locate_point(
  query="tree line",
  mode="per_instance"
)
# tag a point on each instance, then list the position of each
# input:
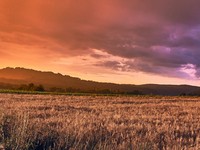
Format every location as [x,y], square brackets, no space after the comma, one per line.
[96,91]
[31,87]
[40,88]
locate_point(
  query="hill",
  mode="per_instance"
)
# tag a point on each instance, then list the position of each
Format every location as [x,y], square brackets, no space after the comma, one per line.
[16,78]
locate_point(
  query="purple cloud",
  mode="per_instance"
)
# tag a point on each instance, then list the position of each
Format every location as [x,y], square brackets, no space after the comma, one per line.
[155,36]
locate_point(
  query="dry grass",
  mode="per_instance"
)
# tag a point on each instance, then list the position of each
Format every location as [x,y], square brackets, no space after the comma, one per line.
[89,122]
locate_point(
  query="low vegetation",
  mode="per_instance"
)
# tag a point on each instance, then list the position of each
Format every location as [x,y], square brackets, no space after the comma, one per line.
[58,122]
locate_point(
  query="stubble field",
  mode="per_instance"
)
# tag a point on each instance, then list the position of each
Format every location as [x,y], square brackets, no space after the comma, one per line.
[98,122]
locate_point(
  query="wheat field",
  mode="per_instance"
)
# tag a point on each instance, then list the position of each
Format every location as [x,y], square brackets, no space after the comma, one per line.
[56,122]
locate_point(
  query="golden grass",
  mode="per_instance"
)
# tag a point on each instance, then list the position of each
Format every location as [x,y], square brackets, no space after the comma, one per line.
[99,122]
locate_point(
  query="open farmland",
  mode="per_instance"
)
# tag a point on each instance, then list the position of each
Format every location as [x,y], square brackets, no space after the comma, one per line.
[99,122]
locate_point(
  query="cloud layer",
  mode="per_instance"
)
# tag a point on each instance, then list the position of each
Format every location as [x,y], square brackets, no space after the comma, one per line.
[156,37]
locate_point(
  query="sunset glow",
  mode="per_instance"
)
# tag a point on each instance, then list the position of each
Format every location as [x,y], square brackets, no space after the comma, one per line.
[132,41]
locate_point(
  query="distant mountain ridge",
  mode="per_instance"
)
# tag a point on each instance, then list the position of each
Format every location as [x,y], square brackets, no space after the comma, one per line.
[13,78]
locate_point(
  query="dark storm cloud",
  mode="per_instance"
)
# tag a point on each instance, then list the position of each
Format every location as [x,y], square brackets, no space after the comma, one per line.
[160,35]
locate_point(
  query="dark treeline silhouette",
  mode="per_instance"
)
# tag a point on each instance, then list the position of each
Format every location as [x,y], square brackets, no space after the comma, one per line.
[40,88]
[31,87]
[195,93]
[97,91]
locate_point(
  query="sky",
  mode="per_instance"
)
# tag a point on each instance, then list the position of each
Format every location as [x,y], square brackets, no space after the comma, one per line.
[120,41]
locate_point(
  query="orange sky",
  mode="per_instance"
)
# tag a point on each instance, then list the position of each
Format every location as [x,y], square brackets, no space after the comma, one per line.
[109,40]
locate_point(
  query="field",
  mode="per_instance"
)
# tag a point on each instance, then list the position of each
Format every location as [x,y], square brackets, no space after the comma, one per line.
[98,122]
